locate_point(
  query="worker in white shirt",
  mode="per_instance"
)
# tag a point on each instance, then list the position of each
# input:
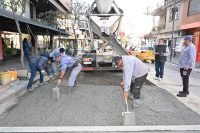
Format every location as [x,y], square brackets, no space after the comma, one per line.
[134,75]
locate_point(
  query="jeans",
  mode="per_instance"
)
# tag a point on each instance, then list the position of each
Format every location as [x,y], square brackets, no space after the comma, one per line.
[159,67]
[137,85]
[34,70]
[185,74]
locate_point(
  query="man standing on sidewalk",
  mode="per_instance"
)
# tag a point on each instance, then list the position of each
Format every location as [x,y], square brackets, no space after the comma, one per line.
[161,52]
[134,76]
[186,64]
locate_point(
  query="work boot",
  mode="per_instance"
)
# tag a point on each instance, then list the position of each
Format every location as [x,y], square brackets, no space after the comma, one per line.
[182,94]
[136,102]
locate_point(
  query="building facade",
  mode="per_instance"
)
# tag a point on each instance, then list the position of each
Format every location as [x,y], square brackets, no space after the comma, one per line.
[170,14]
[31,25]
[191,22]
[184,20]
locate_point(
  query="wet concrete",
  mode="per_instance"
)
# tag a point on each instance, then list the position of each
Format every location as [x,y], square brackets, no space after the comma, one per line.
[97,101]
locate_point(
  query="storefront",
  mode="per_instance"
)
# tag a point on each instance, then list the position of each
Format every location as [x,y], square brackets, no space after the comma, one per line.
[194,30]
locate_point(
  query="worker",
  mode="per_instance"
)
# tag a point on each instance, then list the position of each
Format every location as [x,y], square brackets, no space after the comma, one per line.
[68,62]
[134,75]
[26,49]
[38,64]
[53,64]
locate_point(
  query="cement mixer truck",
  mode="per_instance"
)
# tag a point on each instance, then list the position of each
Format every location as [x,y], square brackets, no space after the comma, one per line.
[104,18]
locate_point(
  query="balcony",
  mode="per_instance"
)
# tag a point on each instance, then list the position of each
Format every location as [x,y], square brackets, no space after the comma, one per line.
[7,19]
[158,29]
[162,7]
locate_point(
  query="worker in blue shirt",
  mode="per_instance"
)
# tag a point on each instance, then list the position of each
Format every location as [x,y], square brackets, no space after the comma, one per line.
[186,64]
[68,62]
[53,64]
[38,64]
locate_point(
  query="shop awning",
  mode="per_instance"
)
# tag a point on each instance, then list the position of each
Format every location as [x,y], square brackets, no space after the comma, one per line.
[190,26]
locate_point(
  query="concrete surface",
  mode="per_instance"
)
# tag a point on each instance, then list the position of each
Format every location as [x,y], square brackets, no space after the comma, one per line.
[88,105]
[97,101]
[172,83]
[11,96]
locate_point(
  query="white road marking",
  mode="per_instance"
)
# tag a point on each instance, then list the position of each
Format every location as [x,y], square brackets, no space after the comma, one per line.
[101,128]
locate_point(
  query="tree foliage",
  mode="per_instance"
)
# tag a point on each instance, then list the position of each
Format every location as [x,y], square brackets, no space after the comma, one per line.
[16,6]
[49,17]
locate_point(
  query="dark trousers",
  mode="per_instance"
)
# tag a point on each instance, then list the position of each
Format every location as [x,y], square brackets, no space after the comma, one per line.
[185,74]
[137,85]
[27,56]
[159,67]
[34,70]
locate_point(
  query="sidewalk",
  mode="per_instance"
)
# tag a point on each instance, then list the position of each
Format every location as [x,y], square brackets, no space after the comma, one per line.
[172,83]
[16,90]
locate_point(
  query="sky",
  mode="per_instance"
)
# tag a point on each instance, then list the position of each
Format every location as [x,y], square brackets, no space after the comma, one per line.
[135,21]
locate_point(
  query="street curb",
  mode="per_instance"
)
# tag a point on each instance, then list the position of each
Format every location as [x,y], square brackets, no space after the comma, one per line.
[196,69]
[52,129]
[13,95]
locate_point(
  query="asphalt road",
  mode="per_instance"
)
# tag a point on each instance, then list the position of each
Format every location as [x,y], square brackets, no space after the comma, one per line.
[97,101]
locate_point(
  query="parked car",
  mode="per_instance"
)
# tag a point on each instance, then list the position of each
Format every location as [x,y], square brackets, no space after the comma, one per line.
[144,53]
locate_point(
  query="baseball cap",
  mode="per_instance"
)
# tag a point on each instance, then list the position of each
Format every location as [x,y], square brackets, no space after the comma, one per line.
[62,50]
[116,59]
[50,59]
[189,37]
[57,54]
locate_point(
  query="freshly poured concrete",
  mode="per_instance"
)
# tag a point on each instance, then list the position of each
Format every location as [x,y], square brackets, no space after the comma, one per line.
[97,101]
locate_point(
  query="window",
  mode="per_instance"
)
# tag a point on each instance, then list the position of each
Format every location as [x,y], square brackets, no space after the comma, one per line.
[194,7]
[174,16]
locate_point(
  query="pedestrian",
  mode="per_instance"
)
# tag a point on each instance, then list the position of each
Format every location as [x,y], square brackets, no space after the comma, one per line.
[26,49]
[186,64]
[38,64]
[68,62]
[52,55]
[134,75]
[161,51]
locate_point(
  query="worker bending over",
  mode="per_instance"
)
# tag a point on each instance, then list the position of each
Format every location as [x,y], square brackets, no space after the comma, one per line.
[68,62]
[38,64]
[134,76]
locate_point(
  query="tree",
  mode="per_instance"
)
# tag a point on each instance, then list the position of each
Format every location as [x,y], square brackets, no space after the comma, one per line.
[18,8]
[49,17]
[79,12]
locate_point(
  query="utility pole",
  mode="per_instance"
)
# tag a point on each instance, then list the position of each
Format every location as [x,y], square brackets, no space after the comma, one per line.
[174,10]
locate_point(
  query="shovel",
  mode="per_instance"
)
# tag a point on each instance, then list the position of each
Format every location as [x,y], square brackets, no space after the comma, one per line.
[129,117]
[57,91]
